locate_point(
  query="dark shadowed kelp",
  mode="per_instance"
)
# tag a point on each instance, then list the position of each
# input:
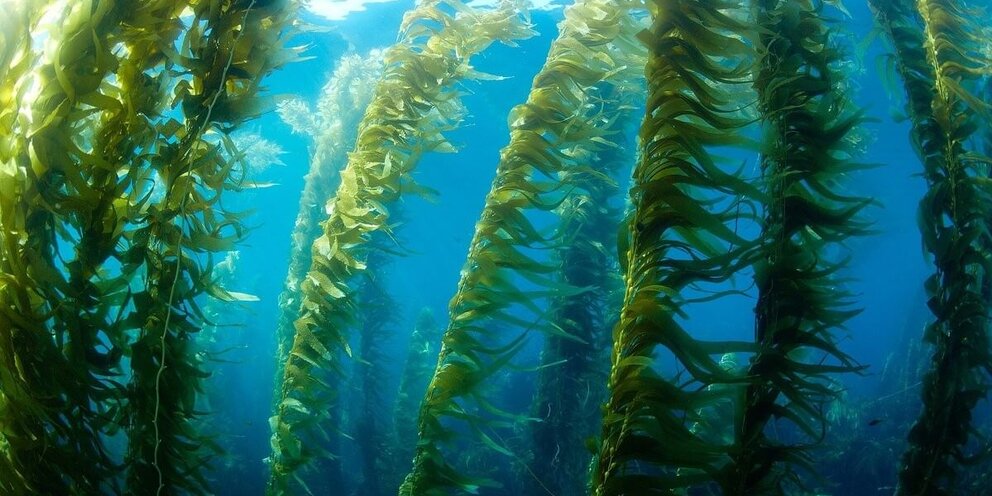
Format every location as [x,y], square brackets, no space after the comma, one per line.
[571,381]
[680,233]
[503,284]
[938,55]
[412,106]
[802,306]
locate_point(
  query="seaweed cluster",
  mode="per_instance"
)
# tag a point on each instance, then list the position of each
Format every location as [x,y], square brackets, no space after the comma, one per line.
[119,144]
[116,157]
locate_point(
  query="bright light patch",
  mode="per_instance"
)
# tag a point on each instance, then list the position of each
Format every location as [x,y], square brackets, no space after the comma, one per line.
[532,4]
[338,10]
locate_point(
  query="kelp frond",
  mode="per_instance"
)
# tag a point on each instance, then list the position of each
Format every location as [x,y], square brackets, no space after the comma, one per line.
[412,106]
[681,233]
[61,188]
[571,381]
[225,52]
[565,120]
[939,54]
[420,358]
[107,208]
[802,306]
[332,130]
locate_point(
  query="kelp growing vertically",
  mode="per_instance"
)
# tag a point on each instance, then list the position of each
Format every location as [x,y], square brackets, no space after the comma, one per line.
[412,106]
[66,171]
[801,306]
[567,119]
[374,437]
[680,234]
[571,383]
[332,130]
[939,57]
[225,51]
[88,156]
[420,358]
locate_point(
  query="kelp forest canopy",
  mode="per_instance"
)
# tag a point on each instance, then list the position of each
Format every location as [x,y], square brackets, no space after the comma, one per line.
[671,223]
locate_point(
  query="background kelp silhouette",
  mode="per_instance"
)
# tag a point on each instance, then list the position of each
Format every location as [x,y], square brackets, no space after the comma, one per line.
[574,356]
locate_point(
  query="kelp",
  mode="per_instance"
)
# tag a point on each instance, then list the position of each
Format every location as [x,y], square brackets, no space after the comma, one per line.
[503,283]
[332,131]
[88,154]
[680,234]
[571,384]
[59,189]
[412,106]
[374,437]
[802,305]
[222,56]
[938,54]
[417,371]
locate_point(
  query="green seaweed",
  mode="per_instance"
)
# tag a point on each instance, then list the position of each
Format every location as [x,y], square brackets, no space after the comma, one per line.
[225,52]
[340,109]
[571,379]
[412,106]
[504,282]
[679,234]
[802,305]
[937,56]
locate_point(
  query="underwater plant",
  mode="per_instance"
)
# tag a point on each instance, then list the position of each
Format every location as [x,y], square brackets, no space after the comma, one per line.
[802,305]
[226,50]
[938,56]
[680,234]
[413,104]
[374,437]
[110,195]
[69,136]
[567,119]
[332,130]
[416,375]
[571,381]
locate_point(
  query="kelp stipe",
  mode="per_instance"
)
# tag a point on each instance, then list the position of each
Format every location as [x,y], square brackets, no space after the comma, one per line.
[417,371]
[412,106]
[564,121]
[332,129]
[373,435]
[802,306]
[61,183]
[679,234]
[225,52]
[571,383]
[937,52]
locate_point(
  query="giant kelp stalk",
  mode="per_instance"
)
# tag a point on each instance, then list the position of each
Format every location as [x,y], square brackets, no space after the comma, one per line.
[74,122]
[412,106]
[332,129]
[938,56]
[565,120]
[417,370]
[680,235]
[571,384]
[801,305]
[374,437]
[87,159]
[226,50]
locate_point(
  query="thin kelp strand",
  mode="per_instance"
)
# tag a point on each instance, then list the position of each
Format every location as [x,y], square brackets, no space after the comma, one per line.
[178,250]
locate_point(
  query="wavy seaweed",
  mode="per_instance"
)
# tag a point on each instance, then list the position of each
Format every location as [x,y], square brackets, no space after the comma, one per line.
[564,121]
[412,106]
[937,50]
